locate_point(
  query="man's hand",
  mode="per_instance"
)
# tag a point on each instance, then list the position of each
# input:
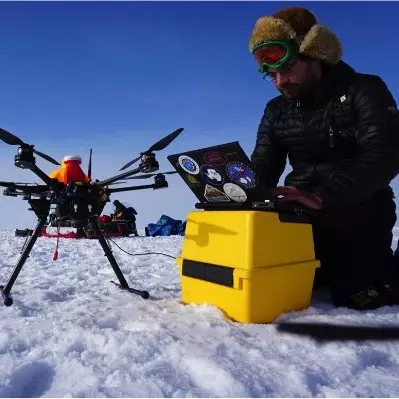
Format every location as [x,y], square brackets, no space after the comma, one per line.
[293,194]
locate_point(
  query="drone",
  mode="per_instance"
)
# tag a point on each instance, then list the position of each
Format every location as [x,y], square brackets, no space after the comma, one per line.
[78,202]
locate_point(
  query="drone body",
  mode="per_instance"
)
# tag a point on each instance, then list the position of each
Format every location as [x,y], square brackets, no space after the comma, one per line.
[77,198]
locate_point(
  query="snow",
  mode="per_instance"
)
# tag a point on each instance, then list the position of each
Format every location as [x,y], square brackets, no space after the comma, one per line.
[72,333]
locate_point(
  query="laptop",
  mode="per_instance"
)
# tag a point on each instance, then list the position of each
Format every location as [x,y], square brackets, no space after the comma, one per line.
[220,176]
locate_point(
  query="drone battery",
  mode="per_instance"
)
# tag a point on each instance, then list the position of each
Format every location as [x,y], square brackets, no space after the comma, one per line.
[249,264]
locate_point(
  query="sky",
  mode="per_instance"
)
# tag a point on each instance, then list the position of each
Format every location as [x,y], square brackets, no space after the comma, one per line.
[117,76]
[71,333]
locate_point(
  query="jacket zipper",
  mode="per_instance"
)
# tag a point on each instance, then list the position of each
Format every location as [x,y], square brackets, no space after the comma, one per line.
[331,137]
[304,124]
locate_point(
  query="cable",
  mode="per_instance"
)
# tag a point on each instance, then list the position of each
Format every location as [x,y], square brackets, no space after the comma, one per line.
[144,253]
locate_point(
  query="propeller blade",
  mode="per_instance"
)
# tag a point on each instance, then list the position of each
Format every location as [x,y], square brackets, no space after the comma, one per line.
[130,163]
[46,157]
[89,168]
[9,138]
[163,143]
[158,146]
[151,175]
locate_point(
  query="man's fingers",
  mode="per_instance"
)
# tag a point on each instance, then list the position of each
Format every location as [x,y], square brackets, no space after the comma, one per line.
[290,198]
[284,190]
[300,199]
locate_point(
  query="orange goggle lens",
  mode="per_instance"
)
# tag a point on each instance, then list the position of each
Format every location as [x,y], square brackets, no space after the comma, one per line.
[270,55]
[274,54]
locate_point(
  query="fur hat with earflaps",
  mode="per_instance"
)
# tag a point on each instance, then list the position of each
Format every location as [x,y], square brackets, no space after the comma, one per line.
[298,24]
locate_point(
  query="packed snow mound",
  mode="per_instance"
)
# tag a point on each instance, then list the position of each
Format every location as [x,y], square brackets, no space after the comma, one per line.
[72,333]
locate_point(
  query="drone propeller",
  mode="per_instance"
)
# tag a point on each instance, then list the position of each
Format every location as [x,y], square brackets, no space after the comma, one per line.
[9,138]
[150,175]
[159,145]
[89,168]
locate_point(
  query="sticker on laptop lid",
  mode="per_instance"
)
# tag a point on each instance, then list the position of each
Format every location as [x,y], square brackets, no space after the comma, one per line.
[215,158]
[212,194]
[191,179]
[212,175]
[236,193]
[188,164]
[241,174]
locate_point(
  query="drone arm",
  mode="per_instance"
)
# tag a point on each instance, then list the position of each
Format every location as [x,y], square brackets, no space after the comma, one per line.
[118,177]
[142,187]
[38,172]
[15,190]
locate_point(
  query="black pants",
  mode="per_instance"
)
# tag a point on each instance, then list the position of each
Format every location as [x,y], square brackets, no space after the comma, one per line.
[354,247]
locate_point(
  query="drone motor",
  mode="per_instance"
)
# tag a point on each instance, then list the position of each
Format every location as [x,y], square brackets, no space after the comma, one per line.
[160,181]
[148,163]
[24,154]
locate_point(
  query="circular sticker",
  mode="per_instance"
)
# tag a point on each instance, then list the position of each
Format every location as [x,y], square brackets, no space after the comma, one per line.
[241,174]
[215,158]
[212,175]
[188,164]
[236,193]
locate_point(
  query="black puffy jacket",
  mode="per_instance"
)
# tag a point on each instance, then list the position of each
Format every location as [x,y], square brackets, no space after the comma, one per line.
[342,139]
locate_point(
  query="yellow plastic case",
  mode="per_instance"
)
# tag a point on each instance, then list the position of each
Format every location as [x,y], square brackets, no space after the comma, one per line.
[250,264]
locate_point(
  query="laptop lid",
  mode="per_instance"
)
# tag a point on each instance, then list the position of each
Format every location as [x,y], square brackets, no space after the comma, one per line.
[220,174]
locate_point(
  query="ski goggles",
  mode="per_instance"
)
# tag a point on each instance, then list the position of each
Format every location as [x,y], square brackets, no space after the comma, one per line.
[274,54]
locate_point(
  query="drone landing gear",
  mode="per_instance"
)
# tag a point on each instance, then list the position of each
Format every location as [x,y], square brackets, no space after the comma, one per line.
[108,253]
[5,291]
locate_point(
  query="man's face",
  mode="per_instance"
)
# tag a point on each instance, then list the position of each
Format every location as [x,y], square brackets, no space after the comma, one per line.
[295,78]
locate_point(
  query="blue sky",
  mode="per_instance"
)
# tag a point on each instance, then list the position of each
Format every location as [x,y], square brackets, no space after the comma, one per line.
[117,76]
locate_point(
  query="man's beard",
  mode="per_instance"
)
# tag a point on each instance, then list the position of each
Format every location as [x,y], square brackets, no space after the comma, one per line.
[290,90]
[296,90]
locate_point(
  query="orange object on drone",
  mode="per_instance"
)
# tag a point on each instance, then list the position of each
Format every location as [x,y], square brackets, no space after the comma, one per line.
[70,171]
